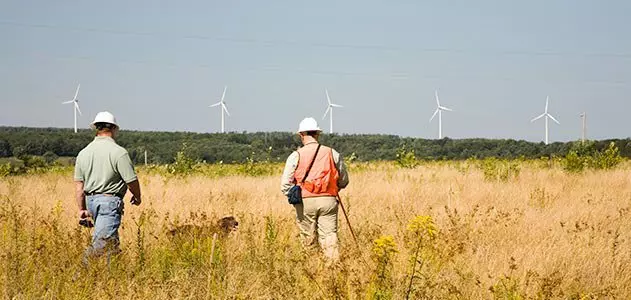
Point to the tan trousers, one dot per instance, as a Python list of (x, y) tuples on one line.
[(317, 219)]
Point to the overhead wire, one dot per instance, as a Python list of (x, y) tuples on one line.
[(316, 44), (270, 43), (395, 76)]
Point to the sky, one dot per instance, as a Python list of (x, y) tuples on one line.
[(158, 65)]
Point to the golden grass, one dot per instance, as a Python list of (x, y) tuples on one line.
[(545, 235)]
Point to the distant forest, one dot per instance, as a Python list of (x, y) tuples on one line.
[(162, 147)]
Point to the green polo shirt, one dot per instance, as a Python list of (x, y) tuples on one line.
[(104, 167)]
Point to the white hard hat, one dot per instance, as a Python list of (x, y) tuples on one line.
[(104, 117), (308, 124)]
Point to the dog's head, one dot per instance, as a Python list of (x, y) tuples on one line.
[(228, 224)]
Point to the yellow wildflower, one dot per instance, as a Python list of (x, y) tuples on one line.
[(384, 246), (423, 225)]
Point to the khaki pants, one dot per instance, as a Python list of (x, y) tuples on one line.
[(317, 219)]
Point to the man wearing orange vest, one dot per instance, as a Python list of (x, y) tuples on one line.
[(317, 214)]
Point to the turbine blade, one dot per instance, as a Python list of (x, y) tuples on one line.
[(445, 108), (225, 109), (539, 117), (216, 104), (547, 102), (76, 92), (336, 105), (328, 99), (76, 105), (326, 112), (67, 102), (224, 93), (436, 95), (434, 115), (553, 119)]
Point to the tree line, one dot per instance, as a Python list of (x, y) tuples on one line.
[(162, 147)]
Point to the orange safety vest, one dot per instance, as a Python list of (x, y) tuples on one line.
[(322, 179)]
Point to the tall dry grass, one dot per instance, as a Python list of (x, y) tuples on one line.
[(545, 234)]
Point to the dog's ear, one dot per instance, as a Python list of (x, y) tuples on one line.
[(227, 224), (223, 224)]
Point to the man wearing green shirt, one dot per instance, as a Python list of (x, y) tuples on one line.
[(103, 172)]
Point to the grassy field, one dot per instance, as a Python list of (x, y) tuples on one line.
[(444, 230)]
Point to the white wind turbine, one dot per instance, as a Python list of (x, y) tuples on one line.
[(329, 110), (439, 112), (546, 115), (76, 106), (223, 109)]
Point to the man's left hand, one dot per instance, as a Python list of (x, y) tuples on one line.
[(135, 200)]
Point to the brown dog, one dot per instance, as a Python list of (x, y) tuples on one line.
[(223, 227)]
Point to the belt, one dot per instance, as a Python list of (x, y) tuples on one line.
[(103, 194)]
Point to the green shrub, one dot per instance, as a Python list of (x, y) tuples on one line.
[(34, 162), (406, 158), (5, 170), (11, 166), (50, 157), (583, 156), (607, 159), (499, 169), (184, 163), (574, 163)]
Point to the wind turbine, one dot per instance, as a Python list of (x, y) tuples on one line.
[(547, 116), (223, 109), (329, 110), (439, 112), (76, 106)]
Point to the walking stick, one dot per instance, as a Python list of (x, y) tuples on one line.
[(339, 201), (350, 227)]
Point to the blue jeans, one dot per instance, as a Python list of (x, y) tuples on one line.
[(107, 212)]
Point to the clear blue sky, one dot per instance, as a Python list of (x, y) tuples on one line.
[(157, 65)]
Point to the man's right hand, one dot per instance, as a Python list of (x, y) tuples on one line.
[(83, 214)]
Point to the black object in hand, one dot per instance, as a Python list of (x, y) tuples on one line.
[(86, 223)]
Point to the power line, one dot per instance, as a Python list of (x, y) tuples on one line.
[(272, 43), (399, 75)]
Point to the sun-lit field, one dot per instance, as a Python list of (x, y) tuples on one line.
[(441, 230)]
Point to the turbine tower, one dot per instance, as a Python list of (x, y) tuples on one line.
[(439, 112), (76, 106), (547, 116), (223, 109), (329, 110)]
